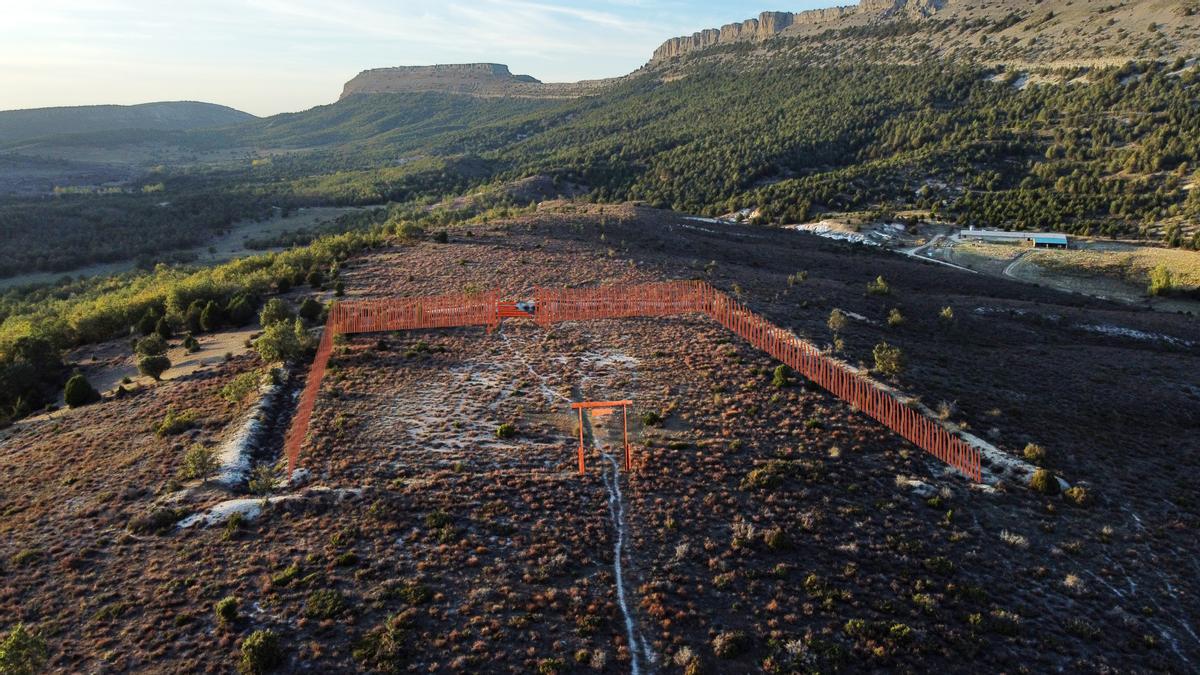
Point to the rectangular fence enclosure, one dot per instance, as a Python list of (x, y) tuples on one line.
[(617, 302)]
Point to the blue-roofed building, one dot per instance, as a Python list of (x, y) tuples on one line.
[(1037, 239)]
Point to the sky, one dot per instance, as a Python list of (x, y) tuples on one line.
[(271, 56)]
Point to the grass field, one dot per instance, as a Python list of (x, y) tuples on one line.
[(1128, 263)]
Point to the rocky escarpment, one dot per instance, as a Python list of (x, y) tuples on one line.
[(475, 79), (467, 78), (769, 24)]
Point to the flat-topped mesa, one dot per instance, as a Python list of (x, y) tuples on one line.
[(467, 78), (769, 24)]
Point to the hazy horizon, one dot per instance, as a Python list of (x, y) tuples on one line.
[(293, 55)]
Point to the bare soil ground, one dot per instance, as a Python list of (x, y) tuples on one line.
[(769, 528)]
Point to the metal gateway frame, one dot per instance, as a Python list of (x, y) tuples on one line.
[(614, 302), (606, 405)]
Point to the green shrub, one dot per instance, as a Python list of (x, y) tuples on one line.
[(283, 341), (1044, 482), (149, 320), (1078, 495), (879, 287), (263, 480), (226, 610), (506, 430), (239, 310), (324, 604), (285, 576), (237, 389), (782, 376), (151, 345), (947, 314), (408, 230), (1034, 453), (154, 366), (191, 319), (339, 289), (275, 311), (837, 320), (261, 653), (651, 419), (310, 310), (315, 279), (79, 391), (1160, 281), (210, 318), (191, 344), (174, 423), (200, 461), (889, 360), (387, 647), (895, 318), (22, 652), (163, 329)]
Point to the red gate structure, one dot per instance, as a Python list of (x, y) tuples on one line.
[(606, 405), (642, 300)]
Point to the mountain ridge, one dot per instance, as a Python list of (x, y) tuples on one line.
[(1029, 32), (32, 123)]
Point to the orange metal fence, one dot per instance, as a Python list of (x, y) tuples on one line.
[(655, 299)]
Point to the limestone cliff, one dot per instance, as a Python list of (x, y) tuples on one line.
[(466, 78), (769, 24)]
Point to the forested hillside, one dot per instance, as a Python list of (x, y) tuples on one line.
[(1105, 152), (22, 125)]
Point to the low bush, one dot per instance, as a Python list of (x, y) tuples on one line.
[(1078, 495), (200, 461), (837, 320), (730, 644), (191, 344), (889, 360), (261, 653), (1160, 281), (226, 610), (389, 646), (22, 652), (275, 311), (506, 430), (324, 604), (263, 480), (652, 419), (174, 423), (154, 366), (782, 376), (895, 318), (151, 345), (1044, 482), (156, 521), (879, 287), (237, 389), (311, 310), (1034, 453), (283, 341), (79, 391)]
